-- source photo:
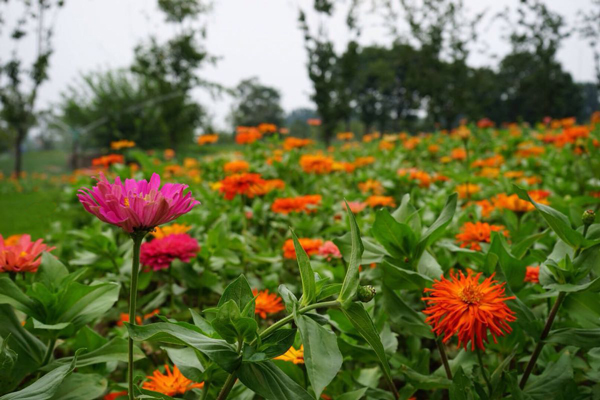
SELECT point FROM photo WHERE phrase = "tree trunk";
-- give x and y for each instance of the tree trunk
(19, 154)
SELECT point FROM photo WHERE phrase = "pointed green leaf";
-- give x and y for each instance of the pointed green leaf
(309, 291)
(352, 278)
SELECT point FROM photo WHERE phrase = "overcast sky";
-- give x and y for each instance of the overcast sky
(251, 38)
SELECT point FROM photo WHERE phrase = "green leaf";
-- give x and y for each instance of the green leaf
(201, 323)
(29, 349)
(51, 271)
(513, 269)
(404, 316)
(436, 230)
(583, 338)
(397, 238)
(81, 304)
(268, 381)
(400, 278)
(557, 221)
(278, 342)
(373, 253)
(425, 382)
(114, 350)
(583, 307)
(219, 351)
(354, 395)
(11, 294)
(224, 322)
(552, 381)
(8, 360)
(187, 361)
(45, 387)
(289, 298)
(352, 278)
(322, 356)
(360, 319)
(240, 292)
(407, 214)
(461, 386)
(309, 291)
(81, 387)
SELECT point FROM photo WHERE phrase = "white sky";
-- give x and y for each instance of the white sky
(252, 38)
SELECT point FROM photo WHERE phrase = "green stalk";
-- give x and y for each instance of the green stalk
(137, 238)
(49, 351)
(485, 376)
(444, 357)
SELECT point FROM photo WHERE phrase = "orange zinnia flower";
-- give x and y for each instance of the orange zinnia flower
(532, 274)
(491, 162)
(467, 189)
(316, 163)
(298, 204)
(247, 135)
(170, 384)
(236, 167)
(467, 308)
(345, 136)
(514, 203)
(423, 178)
(121, 144)
(296, 143)
(380, 201)
(293, 355)
(458, 154)
(363, 161)
(386, 145)
(529, 150)
(206, 139)
(108, 160)
(267, 303)
(472, 234)
(371, 186)
(267, 128)
(249, 185)
(173, 229)
(20, 254)
(311, 246)
(356, 206)
(486, 207)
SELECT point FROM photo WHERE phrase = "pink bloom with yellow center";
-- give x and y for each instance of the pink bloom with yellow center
(136, 205)
(22, 255)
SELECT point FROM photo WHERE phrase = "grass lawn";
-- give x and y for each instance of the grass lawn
(48, 161)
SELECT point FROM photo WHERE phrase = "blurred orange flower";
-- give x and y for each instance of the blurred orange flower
(296, 143)
(236, 167)
(380, 201)
(293, 355)
(173, 229)
(307, 204)
(371, 186)
(172, 383)
(247, 135)
(122, 144)
(466, 190)
(311, 246)
(267, 303)
(208, 138)
(532, 274)
(108, 160)
(472, 234)
(316, 163)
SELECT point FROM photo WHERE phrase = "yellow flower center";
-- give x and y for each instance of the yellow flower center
(470, 295)
(126, 202)
(23, 254)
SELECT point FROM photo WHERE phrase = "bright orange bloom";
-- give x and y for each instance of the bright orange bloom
(124, 317)
(20, 254)
(173, 229)
(411, 143)
(169, 154)
(514, 203)
(267, 128)
(488, 172)
(316, 163)
(343, 166)
(108, 160)
(433, 148)
(380, 201)
(529, 151)
(170, 384)
(422, 177)
(291, 143)
(485, 123)
(247, 135)
(173, 170)
(493, 161)
(462, 132)
(364, 161)
(121, 144)
(458, 154)
(486, 207)
(206, 139)
(190, 162)
(249, 185)
(345, 136)
(307, 204)
(386, 145)
(467, 308)
(236, 167)
(313, 122)
(369, 137)
(311, 246)
(267, 303)
(293, 355)
(472, 234)
(467, 189)
(371, 186)
(532, 274)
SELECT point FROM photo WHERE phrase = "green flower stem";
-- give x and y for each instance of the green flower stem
(540, 343)
(483, 372)
(444, 357)
(135, 271)
(49, 351)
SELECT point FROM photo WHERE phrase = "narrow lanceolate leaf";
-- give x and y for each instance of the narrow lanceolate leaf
(268, 381)
(219, 351)
(352, 278)
(362, 322)
(437, 228)
(45, 387)
(309, 290)
(322, 356)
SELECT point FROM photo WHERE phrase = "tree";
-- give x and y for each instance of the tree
(256, 103)
(20, 83)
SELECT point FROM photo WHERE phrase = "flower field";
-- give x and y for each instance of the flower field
(457, 264)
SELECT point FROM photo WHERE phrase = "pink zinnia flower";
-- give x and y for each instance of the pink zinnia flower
(160, 253)
(355, 206)
(136, 205)
(329, 250)
(22, 256)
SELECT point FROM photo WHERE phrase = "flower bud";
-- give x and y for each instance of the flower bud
(365, 293)
(588, 217)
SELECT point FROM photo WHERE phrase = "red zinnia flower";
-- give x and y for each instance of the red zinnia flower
(532, 274)
(467, 308)
(160, 253)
